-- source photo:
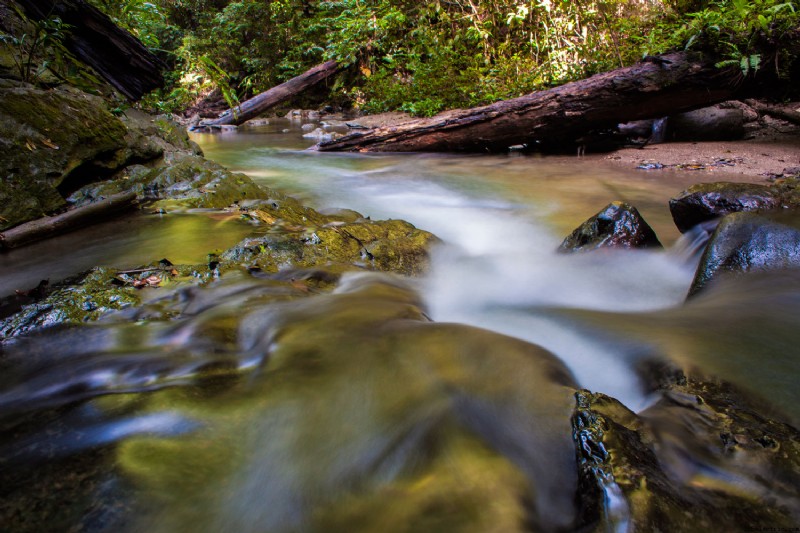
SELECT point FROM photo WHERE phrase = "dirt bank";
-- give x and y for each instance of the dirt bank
(766, 154)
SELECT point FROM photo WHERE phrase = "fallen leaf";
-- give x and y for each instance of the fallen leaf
(49, 144)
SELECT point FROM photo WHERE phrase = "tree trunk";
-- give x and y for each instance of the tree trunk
(561, 118)
(39, 229)
(114, 53)
(280, 93)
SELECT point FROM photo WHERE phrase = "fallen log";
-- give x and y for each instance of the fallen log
(42, 228)
(114, 53)
(560, 118)
(789, 113)
(280, 93)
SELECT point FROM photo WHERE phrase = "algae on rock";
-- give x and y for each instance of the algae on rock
(46, 137)
(700, 458)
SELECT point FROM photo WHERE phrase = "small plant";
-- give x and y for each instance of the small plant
(741, 31)
(36, 50)
(220, 79)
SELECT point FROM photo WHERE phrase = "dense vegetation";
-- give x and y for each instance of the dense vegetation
(424, 57)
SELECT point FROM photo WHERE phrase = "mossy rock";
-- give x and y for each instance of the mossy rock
(85, 301)
(195, 181)
(46, 137)
(150, 137)
(702, 458)
(386, 245)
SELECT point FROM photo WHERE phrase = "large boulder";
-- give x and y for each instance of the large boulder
(749, 241)
(707, 124)
(47, 137)
(618, 225)
(52, 142)
(707, 201)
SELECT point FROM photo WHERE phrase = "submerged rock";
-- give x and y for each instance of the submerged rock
(747, 242)
(347, 411)
(701, 458)
(618, 225)
(707, 201)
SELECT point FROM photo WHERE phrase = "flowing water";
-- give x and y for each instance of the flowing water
(387, 405)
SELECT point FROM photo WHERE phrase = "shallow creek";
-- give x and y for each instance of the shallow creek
(387, 405)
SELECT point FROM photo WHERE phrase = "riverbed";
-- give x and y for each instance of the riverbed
(440, 403)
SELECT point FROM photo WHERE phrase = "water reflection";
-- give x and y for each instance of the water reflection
(183, 238)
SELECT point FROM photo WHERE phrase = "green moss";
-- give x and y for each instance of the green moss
(44, 137)
(678, 476)
(86, 301)
(387, 245)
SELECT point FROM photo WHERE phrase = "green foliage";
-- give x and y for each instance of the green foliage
(743, 32)
(38, 48)
(424, 57)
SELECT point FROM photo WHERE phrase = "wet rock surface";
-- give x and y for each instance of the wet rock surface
(191, 179)
(618, 225)
(287, 237)
(750, 242)
(707, 201)
(703, 457)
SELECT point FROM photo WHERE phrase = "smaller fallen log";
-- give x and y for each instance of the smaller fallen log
(280, 93)
(43, 228)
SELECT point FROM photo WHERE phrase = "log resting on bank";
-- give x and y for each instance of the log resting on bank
(561, 118)
(280, 93)
(42, 228)
(114, 53)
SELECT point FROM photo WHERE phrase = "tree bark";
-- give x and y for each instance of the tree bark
(43, 228)
(280, 93)
(561, 118)
(114, 53)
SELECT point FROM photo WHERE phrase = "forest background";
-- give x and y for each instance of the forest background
(425, 57)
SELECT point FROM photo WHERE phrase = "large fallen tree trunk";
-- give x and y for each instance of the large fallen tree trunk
(42, 228)
(559, 118)
(280, 93)
(113, 52)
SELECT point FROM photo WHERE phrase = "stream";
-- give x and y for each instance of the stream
(388, 404)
